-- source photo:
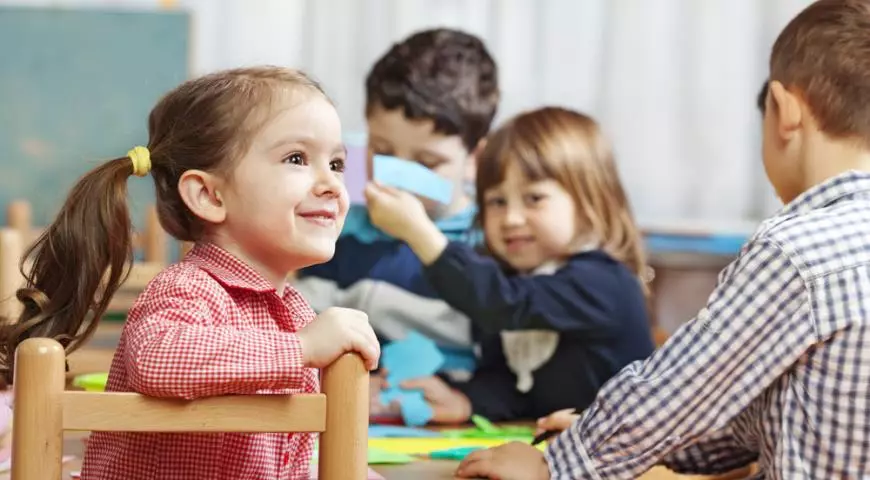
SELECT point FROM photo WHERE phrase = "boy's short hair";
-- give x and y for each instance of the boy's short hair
(761, 99)
(442, 75)
(824, 55)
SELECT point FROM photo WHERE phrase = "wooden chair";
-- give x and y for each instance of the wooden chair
(43, 410)
(11, 250)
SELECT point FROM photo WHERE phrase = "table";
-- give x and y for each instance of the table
(97, 356)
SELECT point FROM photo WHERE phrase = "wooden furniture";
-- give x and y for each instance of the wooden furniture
(43, 410)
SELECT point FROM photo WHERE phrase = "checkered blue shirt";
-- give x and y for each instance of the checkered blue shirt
(775, 368)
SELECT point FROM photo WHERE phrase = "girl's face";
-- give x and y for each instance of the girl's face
(528, 224)
(286, 201)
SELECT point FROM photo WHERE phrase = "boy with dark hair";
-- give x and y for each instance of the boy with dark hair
(776, 367)
(430, 99)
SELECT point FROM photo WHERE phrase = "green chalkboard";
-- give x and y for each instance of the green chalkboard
(76, 86)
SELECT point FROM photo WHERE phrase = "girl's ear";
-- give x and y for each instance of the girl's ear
(199, 191)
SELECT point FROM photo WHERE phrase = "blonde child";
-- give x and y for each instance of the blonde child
(248, 164)
(775, 369)
(559, 300)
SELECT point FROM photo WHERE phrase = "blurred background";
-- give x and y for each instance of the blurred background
(674, 83)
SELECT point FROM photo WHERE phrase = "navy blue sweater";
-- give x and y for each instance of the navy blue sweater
(593, 301)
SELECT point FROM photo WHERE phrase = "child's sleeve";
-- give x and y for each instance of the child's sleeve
(756, 325)
(568, 300)
(174, 349)
(715, 454)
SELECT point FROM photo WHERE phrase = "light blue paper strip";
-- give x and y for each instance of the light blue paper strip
(385, 431)
(413, 177)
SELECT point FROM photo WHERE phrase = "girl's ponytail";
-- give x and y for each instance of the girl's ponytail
(78, 263)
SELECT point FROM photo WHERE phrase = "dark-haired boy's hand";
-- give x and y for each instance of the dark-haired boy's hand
(511, 461)
(403, 216)
(449, 405)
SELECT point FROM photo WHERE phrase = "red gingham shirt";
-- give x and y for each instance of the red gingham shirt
(209, 325)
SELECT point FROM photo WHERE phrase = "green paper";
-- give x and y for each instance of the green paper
(483, 424)
(486, 429)
(383, 457)
(92, 382)
(377, 456)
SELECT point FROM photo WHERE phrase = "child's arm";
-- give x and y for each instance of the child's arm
(174, 349)
(186, 338)
(570, 300)
(715, 454)
(755, 327)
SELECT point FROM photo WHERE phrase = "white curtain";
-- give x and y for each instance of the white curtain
(672, 81)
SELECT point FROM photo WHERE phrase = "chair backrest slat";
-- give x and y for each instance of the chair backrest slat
(110, 412)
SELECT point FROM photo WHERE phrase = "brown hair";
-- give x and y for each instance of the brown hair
(823, 55)
(443, 75)
(568, 147)
(83, 257)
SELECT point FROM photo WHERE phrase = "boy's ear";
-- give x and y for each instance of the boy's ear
(786, 108)
(199, 191)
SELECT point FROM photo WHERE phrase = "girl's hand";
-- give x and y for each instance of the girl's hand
(402, 215)
(336, 331)
(558, 420)
(394, 211)
(377, 383)
(448, 405)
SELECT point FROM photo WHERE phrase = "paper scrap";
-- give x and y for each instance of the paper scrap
(413, 177)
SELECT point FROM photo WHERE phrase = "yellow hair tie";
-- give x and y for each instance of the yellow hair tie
(141, 158)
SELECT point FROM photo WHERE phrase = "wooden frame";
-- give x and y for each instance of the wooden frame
(43, 410)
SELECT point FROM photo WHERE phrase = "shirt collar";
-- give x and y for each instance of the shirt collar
(848, 184)
(228, 269)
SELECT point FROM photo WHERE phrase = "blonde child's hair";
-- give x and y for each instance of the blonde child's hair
(568, 147)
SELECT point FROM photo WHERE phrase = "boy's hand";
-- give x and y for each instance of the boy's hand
(448, 405)
(403, 216)
(558, 420)
(336, 331)
(515, 460)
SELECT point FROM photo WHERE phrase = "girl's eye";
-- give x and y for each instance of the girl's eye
(337, 165)
(296, 158)
(495, 202)
(534, 198)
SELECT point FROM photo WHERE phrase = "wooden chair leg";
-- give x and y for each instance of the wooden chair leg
(37, 445)
(20, 217)
(11, 251)
(344, 444)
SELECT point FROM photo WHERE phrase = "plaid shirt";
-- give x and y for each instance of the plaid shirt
(776, 367)
(209, 325)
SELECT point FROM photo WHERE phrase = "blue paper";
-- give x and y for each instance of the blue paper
(414, 356)
(413, 177)
(383, 431)
(458, 453)
(416, 412)
(415, 409)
